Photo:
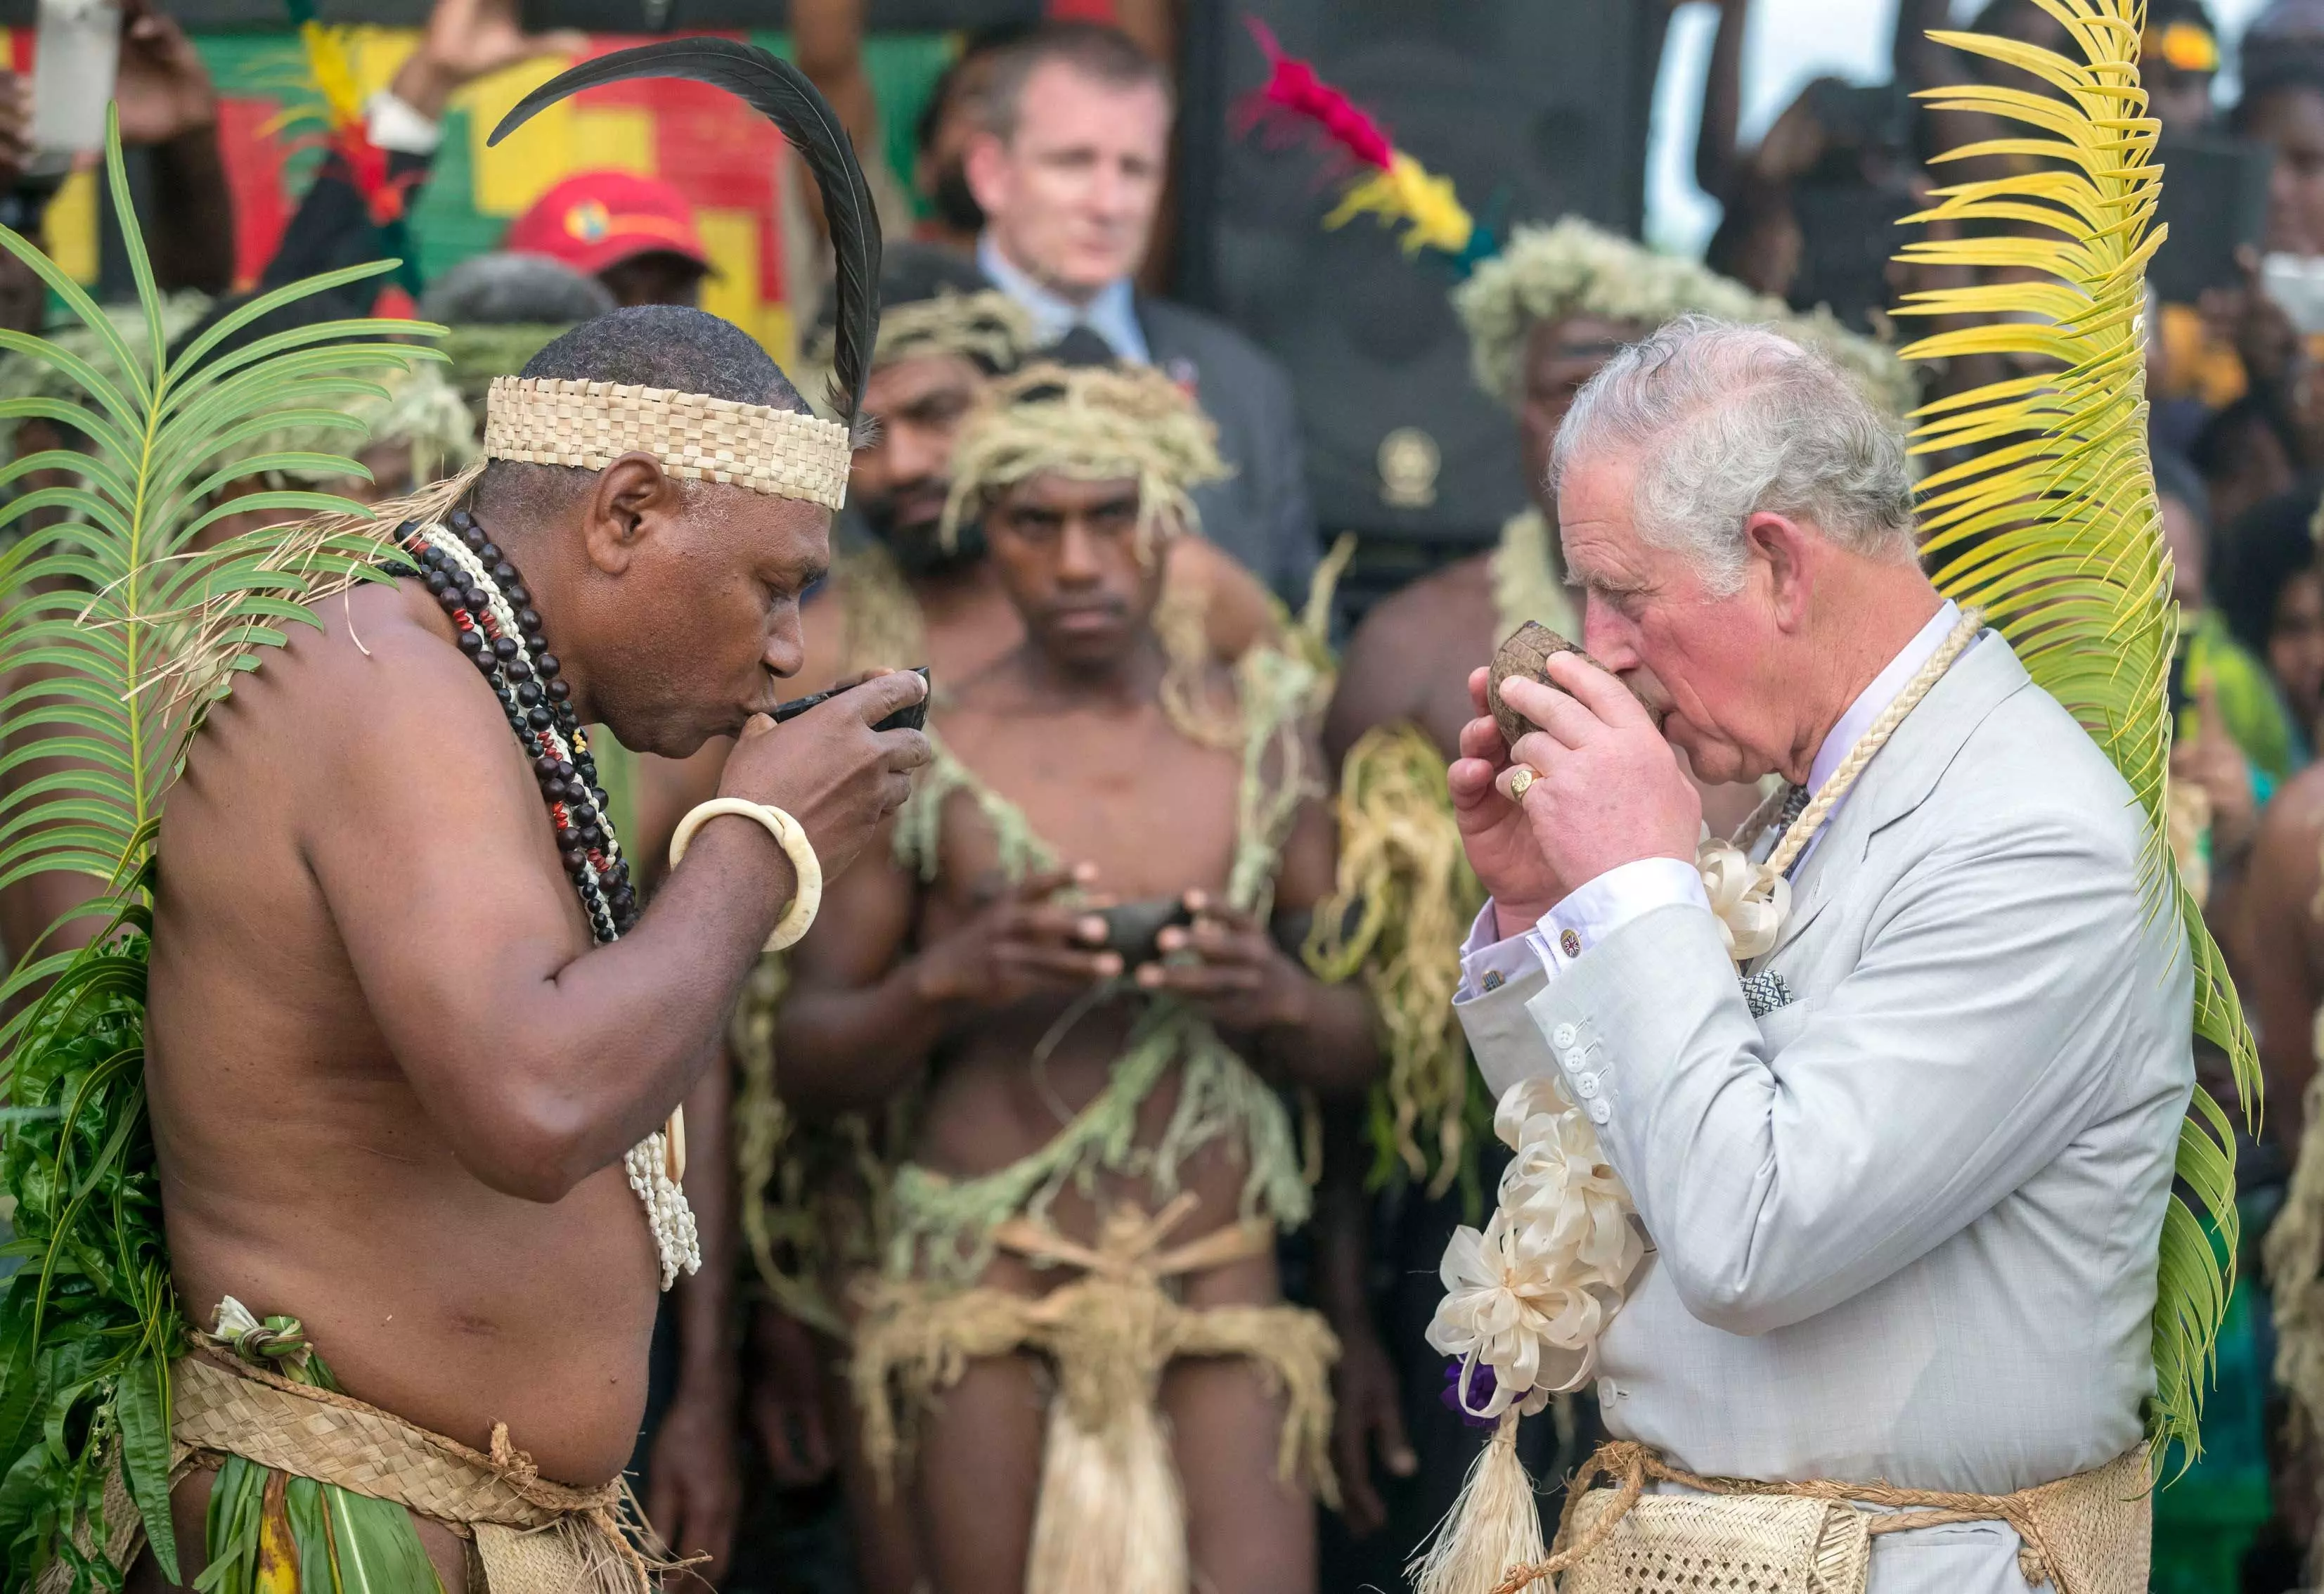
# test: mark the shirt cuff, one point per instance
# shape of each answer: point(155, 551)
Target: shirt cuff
point(1488, 965)
point(1626, 892)
point(1586, 917)
point(391, 124)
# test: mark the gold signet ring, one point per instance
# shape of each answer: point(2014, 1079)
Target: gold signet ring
point(1521, 780)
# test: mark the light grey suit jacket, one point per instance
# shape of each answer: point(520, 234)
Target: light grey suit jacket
point(1906, 1225)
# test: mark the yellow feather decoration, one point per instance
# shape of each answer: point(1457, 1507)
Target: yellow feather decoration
point(334, 71)
point(2041, 509)
point(1408, 192)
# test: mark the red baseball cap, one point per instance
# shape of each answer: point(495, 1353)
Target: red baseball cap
point(596, 219)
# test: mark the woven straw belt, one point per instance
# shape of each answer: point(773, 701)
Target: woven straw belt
point(1110, 1333)
point(227, 1407)
point(2084, 1534)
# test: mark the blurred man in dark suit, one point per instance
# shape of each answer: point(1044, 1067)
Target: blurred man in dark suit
point(1068, 167)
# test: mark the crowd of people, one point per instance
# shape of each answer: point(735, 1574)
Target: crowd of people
point(1064, 1208)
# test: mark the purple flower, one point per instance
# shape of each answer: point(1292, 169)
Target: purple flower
point(1480, 1392)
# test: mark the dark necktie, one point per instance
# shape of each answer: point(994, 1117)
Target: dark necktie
point(1796, 802)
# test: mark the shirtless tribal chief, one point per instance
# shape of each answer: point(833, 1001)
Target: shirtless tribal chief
point(395, 924)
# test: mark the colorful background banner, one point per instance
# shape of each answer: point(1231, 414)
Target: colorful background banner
point(720, 155)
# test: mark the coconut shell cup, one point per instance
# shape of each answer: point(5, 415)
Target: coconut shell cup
point(1528, 653)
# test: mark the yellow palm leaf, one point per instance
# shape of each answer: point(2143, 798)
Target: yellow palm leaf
point(2042, 510)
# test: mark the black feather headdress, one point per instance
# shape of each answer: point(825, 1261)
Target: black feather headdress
point(781, 93)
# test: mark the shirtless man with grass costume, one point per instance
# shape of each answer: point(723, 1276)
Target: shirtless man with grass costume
point(414, 1046)
point(1100, 1136)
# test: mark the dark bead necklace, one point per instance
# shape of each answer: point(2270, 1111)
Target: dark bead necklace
point(500, 632)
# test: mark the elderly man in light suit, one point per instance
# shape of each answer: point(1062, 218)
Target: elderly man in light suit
point(1906, 1185)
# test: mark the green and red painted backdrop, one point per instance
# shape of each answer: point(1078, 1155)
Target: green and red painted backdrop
point(720, 155)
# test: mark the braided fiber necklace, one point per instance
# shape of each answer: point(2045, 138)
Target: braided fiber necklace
point(500, 632)
point(1751, 900)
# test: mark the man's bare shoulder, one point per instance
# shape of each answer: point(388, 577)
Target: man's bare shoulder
point(2298, 805)
point(1406, 644)
point(379, 681)
point(1442, 602)
point(2284, 860)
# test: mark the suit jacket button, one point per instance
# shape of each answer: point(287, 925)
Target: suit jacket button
point(1562, 1036)
point(1598, 1111)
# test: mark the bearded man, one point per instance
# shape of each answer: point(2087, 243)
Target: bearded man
point(1907, 1175)
point(901, 588)
point(472, 1076)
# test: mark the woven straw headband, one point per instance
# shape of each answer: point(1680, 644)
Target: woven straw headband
point(588, 425)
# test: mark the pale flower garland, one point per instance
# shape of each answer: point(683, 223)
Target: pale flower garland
point(1530, 1295)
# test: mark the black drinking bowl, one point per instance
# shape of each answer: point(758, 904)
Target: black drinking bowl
point(915, 717)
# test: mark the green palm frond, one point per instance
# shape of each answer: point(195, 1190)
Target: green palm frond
point(2041, 511)
point(127, 609)
point(124, 611)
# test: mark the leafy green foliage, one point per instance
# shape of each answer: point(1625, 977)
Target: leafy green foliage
point(127, 605)
point(342, 1543)
point(2048, 520)
point(88, 1322)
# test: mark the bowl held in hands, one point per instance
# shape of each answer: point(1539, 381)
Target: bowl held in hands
point(914, 717)
point(1528, 653)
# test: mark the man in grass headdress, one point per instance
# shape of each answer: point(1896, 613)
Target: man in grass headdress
point(901, 589)
point(412, 1051)
point(1070, 961)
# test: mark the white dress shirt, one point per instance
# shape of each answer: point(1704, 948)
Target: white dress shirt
point(1595, 910)
point(1112, 314)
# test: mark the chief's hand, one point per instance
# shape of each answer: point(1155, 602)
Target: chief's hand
point(1608, 789)
point(829, 769)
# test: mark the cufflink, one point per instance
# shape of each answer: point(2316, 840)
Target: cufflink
point(1569, 942)
point(1494, 979)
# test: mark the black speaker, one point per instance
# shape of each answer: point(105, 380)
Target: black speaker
point(1535, 109)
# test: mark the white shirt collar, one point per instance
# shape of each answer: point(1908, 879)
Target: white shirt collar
point(1882, 692)
point(1112, 314)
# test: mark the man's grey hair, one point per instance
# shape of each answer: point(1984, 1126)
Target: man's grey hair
point(1728, 421)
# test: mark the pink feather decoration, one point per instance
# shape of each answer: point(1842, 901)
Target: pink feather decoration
point(1293, 86)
